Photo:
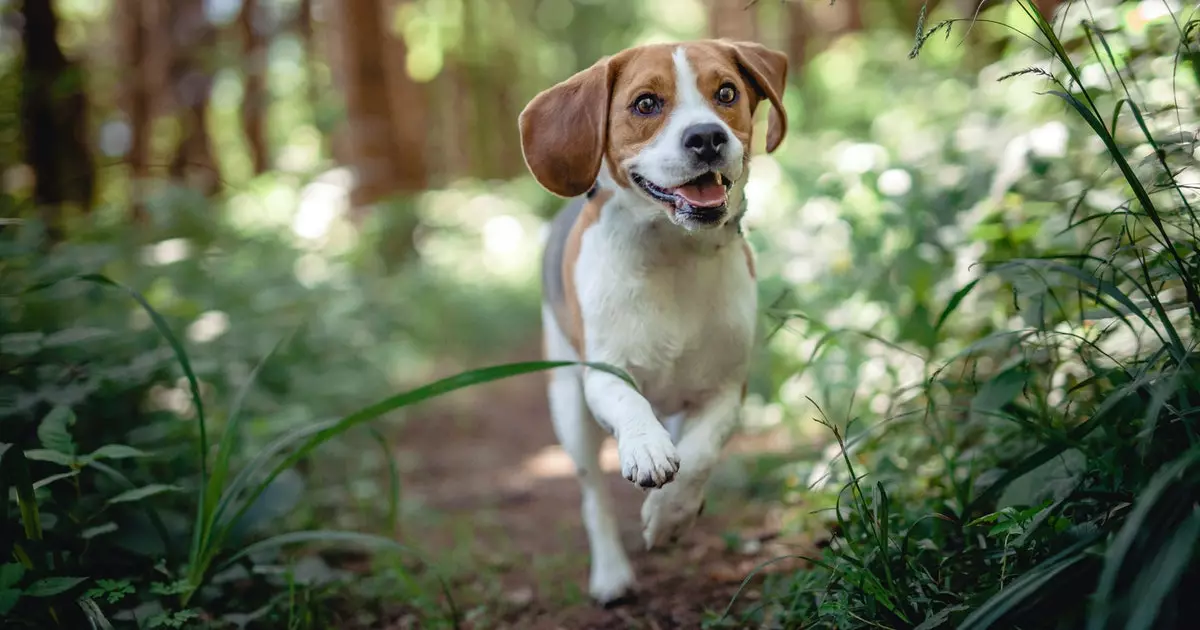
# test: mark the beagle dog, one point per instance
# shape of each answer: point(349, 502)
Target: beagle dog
point(649, 271)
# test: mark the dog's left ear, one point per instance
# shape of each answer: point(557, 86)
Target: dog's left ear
point(563, 131)
point(767, 71)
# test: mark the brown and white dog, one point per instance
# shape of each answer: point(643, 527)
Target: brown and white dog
point(650, 272)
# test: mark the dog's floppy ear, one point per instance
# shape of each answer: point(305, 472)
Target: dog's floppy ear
point(563, 130)
point(767, 70)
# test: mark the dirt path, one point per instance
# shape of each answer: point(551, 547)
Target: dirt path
point(495, 499)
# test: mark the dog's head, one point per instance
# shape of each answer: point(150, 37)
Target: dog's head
point(670, 122)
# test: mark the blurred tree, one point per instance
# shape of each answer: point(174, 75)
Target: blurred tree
point(732, 19)
point(383, 139)
point(54, 119)
point(190, 81)
point(254, 94)
point(139, 24)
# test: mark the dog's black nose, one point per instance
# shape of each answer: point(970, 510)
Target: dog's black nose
point(705, 141)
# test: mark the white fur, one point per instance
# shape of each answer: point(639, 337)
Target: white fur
point(675, 308)
point(663, 161)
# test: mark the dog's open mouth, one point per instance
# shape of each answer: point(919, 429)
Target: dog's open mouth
point(702, 199)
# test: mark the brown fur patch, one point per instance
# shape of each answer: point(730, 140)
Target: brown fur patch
point(643, 70)
point(714, 67)
point(587, 218)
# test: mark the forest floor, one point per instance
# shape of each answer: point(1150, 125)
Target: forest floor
point(493, 498)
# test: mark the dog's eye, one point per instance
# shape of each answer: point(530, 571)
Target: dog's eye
point(647, 104)
point(727, 94)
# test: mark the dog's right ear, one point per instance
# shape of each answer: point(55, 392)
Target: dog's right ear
point(563, 130)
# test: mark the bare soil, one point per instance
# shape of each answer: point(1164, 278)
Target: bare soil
point(497, 497)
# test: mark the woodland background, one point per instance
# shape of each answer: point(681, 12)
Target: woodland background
point(240, 238)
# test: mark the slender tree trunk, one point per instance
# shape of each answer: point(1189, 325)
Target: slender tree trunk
point(800, 37)
point(254, 93)
point(384, 137)
point(409, 102)
point(190, 76)
point(305, 26)
point(732, 19)
point(53, 119)
point(137, 98)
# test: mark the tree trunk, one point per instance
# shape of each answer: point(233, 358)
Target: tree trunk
point(384, 136)
point(800, 37)
point(254, 93)
point(137, 96)
point(53, 119)
point(732, 19)
point(190, 76)
point(305, 26)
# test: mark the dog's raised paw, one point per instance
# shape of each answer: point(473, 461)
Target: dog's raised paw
point(649, 459)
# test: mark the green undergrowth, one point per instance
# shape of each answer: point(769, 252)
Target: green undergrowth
point(165, 450)
point(1045, 472)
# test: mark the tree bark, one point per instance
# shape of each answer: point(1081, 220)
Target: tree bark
point(384, 136)
point(53, 119)
point(800, 37)
point(254, 92)
point(732, 19)
point(137, 95)
point(190, 82)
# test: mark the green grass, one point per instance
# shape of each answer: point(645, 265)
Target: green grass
point(1041, 504)
point(47, 574)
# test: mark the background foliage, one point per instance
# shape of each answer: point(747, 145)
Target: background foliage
point(981, 290)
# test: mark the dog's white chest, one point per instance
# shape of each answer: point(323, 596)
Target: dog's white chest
point(683, 330)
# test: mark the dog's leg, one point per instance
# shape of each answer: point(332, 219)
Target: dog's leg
point(611, 576)
point(669, 511)
point(611, 573)
point(648, 457)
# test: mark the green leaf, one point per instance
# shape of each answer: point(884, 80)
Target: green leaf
point(73, 336)
point(42, 483)
point(137, 494)
point(98, 530)
point(116, 451)
point(49, 587)
point(170, 588)
point(999, 391)
point(1135, 522)
point(54, 433)
point(1156, 582)
point(11, 574)
point(47, 455)
point(955, 300)
point(1028, 585)
point(8, 599)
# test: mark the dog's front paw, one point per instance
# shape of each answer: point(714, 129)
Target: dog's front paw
point(648, 459)
point(668, 512)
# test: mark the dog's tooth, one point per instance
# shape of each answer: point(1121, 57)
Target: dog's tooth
point(718, 176)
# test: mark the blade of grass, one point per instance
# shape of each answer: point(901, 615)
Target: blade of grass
point(1028, 585)
point(393, 514)
point(1130, 529)
point(307, 439)
point(216, 481)
point(1157, 581)
point(181, 356)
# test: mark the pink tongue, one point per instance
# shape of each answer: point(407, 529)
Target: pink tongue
point(707, 194)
